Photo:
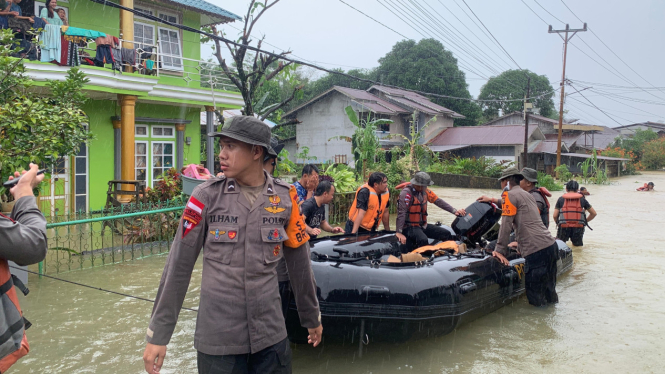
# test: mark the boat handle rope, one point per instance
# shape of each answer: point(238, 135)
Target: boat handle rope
point(365, 339)
point(94, 288)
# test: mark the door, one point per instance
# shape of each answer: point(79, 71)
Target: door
point(54, 195)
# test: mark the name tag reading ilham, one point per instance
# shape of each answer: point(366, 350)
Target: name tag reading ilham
point(192, 215)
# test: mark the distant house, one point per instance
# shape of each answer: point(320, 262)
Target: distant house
point(324, 118)
point(628, 131)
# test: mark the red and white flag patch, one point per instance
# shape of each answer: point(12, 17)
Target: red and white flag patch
point(192, 215)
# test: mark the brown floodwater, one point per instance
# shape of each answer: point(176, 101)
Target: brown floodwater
point(609, 319)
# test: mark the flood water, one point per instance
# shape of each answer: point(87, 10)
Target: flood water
point(609, 319)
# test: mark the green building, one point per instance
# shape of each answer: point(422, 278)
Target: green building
point(144, 120)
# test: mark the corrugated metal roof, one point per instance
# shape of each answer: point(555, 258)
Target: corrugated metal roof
point(549, 146)
point(218, 14)
point(415, 101)
point(374, 103)
point(567, 138)
point(482, 135)
point(581, 155)
point(446, 148)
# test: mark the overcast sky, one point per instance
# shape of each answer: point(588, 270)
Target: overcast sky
point(332, 34)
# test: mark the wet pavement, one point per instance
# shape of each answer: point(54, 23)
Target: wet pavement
point(609, 319)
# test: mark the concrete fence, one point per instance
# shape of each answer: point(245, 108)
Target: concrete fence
point(464, 181)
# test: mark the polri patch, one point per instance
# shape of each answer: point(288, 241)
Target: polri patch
point(192, 215)
point(275, 235)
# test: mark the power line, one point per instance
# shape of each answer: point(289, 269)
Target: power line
point(594, 105)
point(299, 62)
point(380, 23)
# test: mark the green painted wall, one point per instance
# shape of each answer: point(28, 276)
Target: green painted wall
point(101, 150)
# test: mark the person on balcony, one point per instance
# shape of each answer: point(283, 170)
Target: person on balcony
point(63, 16)
point(49, 14)
point(13, 10)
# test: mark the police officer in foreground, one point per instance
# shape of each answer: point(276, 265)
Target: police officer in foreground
point(536, 244)
point(245, 222)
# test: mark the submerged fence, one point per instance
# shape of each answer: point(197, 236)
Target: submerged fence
point(102, 238)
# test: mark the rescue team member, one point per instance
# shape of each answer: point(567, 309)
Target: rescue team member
point(314, 210)
point(540, 194)
point(647, 187)
point(570, 215)
point(412, 228)
point(245, 222)
point(22, 240)
point(536, 245)
point(370, 205)
point(584, 191)
point(307, 183)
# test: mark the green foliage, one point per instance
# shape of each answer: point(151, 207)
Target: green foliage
point(510, 85)
point(285, 166)
point(35, 127)
point(562, 173)
point(635, 144)
point(397, 170)
point(168, 188)
point(304, 155)
point(547, 181)
point(480, 167)
point(591, 170)
point(344, 178)
point(653, 154)
point(417, 152)
point(428, 66)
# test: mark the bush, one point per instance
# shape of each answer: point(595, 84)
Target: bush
point(480, 167)
point(653, 154)
point(547, 181)
point(632, 166)
point(562, 173)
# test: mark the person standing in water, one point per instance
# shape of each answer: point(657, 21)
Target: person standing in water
point(570, 214)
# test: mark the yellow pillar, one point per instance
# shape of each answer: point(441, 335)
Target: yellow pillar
point(127, 104)
point(127, 27)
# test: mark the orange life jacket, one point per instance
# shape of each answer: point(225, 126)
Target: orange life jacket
point(572, 213)
point(13, 342)
point(375, 208)
point(418, 209)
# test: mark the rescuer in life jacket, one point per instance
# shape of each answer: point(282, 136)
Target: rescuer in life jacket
point(570, 214)
point(541, 194)
point(370, 206)
point(647, 187)
point(412, 228)
point(24, 242)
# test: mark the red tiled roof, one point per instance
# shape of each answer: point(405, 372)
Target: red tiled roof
point(482, 135)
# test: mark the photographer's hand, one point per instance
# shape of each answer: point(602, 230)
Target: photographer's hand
point(29, 180)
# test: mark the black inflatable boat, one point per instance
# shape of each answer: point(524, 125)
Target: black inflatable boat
point(362, 295)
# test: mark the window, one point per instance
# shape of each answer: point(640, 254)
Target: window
point(141, 161)
point(144, 35)
point(170, 17)
point(162, 158)
point(143, 10)
point(169, 46)
point(163, 131)
point(141, 131)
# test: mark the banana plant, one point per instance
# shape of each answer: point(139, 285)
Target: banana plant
point(364, 141)
point(413, 141)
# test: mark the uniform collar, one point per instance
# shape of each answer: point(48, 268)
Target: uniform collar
point(268, 189)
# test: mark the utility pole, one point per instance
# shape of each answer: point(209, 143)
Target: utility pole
point(527, 106)
point(566, 39)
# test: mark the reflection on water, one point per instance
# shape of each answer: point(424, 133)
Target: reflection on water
point(609, 318)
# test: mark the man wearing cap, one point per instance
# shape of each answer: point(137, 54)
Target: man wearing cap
point(412, 228)
point(536, 244)
point(246, 222)
point(540, 194)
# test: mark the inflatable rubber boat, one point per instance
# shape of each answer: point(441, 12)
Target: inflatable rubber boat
point(369, 288)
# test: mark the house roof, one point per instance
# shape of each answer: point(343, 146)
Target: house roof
point(415, 101)
point(567, 138)
point(483, 135)
point(360, 97)
point(210, 14)
point(582, 155)
point(601, 140)
point(446, 148)
point(549, 146)
point(657, 125)
point(531, 115)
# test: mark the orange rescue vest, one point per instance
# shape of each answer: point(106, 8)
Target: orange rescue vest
point(375, 208)
point(13, 342)
point(572, 213)
point(418, 209)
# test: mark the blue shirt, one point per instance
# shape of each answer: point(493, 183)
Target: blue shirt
point(301, 191)
point(4, 20)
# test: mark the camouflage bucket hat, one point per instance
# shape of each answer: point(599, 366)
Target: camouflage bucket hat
point(248, 130)
point(509, 173)
point(421, 179)
point(530, 175)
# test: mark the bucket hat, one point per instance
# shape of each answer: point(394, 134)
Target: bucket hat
point(421, 179)
point(509, 173)
point(247, 129)
point(530, 175)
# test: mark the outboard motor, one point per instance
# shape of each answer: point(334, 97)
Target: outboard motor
point(480, 218)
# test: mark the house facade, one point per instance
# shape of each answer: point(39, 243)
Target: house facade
point(628, 131)
point(323, 120)
point(145, 118)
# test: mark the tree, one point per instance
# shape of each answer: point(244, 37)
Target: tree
point(653, 156)
point(326, 82)
point(635, 144)
point(35, 127)
point(412, 142)
point(251, 70)
point(427, 66)
point(511, 85)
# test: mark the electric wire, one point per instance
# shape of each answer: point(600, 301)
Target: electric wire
point(295, 61)
point(594, 105)
point(93, 287)
point(379, 22)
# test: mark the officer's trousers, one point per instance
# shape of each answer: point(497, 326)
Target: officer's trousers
point(275, 359)
point(417, 237)
point(540, 281)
